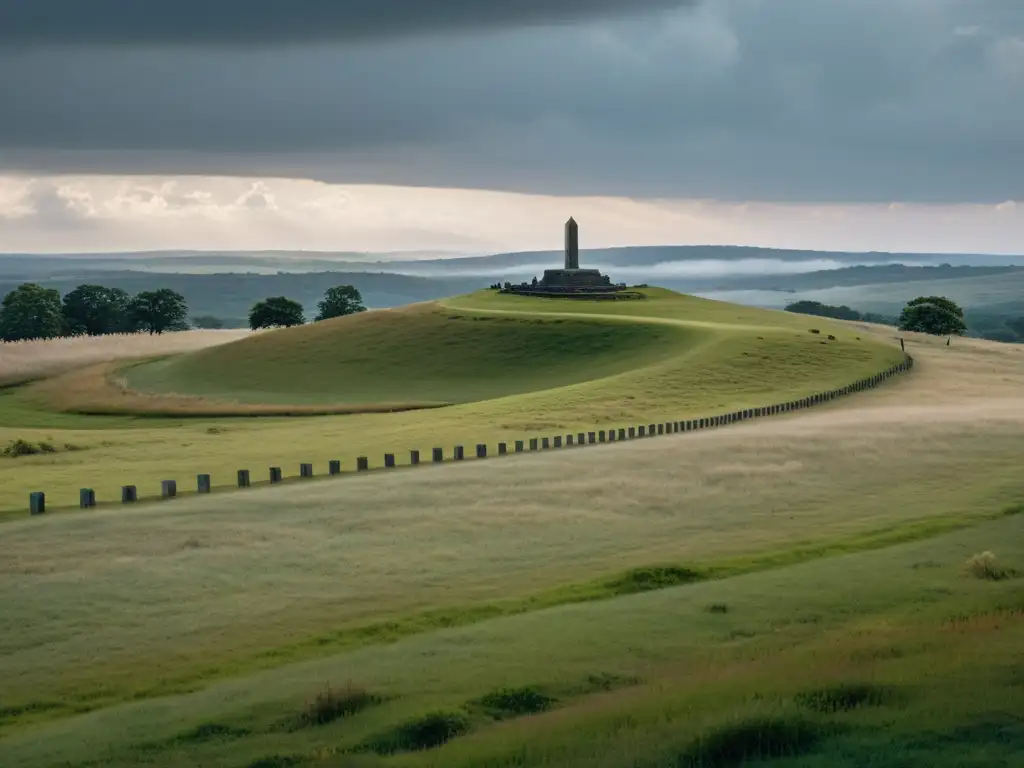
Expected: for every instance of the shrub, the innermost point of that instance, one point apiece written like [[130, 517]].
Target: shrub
[[648, 579], [21, 447], [425, 732], [753, 739], [831, 337], [335, 703], [515, 702], [717, 608], [844, 697], [986, 566], [814, 330]]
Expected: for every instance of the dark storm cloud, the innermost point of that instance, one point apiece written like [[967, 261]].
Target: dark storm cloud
[[802, 100], [136, 22]]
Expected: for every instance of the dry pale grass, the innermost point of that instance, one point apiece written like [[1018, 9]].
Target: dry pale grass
[[102, 389], [986, 565], [24, 361], [210, 581], [968, 388]]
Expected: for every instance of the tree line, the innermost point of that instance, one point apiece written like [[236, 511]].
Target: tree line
[[936, 315], [31, 311], [842, 312]]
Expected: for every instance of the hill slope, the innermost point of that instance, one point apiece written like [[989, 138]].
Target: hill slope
[[515, 368], [421, 354], [487, 345]]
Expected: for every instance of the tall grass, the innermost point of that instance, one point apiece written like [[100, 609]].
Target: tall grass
[[23, 361]]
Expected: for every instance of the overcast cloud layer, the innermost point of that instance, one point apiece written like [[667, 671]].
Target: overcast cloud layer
[[34, 22], [772, 100]]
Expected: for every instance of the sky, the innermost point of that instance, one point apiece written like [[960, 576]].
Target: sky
[[474, 127]]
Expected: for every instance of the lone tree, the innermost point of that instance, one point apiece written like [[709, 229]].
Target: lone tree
[[936, 315], [276, 312], [159, 311], [31, 312], [93, 310], [339, 301]]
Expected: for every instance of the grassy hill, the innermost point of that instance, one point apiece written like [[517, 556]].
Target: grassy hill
[[666, 351], [511, 367], [808, 589], [423, 354]]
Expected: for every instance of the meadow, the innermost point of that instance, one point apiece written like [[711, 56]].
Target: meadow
[[509, 366], [24, 361], [836, 587]]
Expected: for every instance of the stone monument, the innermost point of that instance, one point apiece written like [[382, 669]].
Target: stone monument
[[571, 281]]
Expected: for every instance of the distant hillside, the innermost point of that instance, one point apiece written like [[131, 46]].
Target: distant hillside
[[863, 275], [647, 256], [226, 284], [229, 296], [1004, 290], [514, 264]]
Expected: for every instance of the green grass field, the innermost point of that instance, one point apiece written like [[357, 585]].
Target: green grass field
[[667, 357], [808, 590], [425, 354]]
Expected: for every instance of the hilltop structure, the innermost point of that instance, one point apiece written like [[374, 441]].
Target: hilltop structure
[[571, 281]]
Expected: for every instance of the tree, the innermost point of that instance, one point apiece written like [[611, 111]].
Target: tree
[[818, 309], [339, 301], [207, 321], [31, 312], [936, 315], [276, 312], [159, 311], [94, 311]]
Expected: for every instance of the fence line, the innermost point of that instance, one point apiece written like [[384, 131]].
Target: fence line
[[169, 488]]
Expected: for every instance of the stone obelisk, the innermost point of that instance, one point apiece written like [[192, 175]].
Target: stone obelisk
[[572, 244]]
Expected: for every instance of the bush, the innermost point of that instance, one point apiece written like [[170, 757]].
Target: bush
[[21, 447], [515, 702], [334, 704], [648, 579], [717, 608], [425, 732], [814, 330], [753, 739], [986, 566], [831, 337]]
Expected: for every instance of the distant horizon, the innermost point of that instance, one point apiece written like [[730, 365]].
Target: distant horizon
[[400, 254]]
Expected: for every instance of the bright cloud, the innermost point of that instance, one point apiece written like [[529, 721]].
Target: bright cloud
[[111, 213]]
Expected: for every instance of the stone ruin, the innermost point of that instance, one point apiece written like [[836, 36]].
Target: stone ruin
[[571, 281]]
